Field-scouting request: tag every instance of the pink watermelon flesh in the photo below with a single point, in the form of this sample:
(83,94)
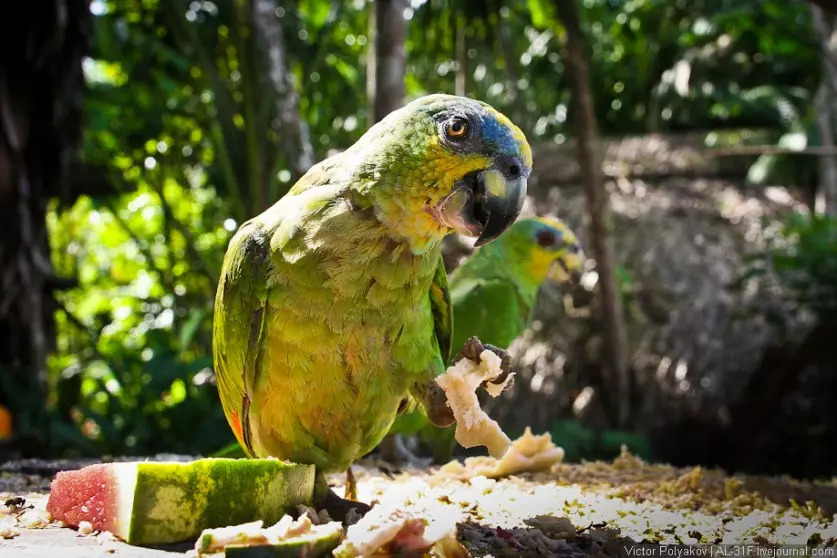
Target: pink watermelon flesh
(88,494)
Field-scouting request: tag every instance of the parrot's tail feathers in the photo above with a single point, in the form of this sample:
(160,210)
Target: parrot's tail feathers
(235,422)
(246,436)
(242,429)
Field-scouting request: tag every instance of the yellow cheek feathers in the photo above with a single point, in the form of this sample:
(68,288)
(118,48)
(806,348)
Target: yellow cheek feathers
(413,209)
(541,263)
(444,168)
(545,264)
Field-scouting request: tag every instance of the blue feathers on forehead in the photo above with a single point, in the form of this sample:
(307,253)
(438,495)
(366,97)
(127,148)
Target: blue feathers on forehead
(497,135)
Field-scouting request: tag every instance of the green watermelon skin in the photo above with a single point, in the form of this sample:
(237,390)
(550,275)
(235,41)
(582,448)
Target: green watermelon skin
(147,503)
(318,544)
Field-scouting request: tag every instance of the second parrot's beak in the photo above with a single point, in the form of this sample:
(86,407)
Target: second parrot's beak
(568,266)
(485,203)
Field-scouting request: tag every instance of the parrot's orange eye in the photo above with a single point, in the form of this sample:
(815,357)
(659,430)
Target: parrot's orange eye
(457,129)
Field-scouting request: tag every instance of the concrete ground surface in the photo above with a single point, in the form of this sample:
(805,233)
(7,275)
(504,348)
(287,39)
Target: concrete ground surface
(574,510)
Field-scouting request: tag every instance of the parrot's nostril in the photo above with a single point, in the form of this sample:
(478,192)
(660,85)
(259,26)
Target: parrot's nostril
(510,167)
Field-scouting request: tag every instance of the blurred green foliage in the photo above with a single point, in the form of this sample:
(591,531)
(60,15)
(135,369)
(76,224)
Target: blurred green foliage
(583,443)
(793,394)
(803,258)
(808,267)
(180,117)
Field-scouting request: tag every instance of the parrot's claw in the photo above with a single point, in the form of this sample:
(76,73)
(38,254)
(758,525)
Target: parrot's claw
(473,348)
(505,366)
(343,510)
(435,403)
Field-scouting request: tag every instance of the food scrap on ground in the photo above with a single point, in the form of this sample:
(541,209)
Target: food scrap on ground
(529,453)
(390,530)
(300,536)
(8,528)
(86,528)
(19,514)
(34,519)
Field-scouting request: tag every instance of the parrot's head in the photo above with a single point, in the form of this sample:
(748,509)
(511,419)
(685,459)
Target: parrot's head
(546,248)
(443,164)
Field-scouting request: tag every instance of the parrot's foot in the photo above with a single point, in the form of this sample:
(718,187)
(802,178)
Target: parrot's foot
(435,403)
(351,485)
(473,348)
(345,511)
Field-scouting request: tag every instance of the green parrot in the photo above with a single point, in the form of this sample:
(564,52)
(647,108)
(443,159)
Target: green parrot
(493,295)
(494,291)
(332,313)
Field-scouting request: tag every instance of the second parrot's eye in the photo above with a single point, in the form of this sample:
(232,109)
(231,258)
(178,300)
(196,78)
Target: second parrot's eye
(457,128)
(546,239)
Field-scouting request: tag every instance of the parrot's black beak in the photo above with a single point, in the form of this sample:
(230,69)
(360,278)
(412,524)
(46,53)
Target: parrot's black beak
(485,203)
(499,199)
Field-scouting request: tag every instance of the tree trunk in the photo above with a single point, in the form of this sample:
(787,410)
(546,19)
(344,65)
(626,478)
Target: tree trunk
(461,80)
(41,85)
(513,77)
(371,62)
(825,201)
(390,58)
(824,104)
(829,6)
(271,41)
(613,328)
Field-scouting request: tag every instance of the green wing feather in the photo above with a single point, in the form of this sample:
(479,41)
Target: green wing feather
(412,417)
(239,324)
(488,309)
(442,311)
